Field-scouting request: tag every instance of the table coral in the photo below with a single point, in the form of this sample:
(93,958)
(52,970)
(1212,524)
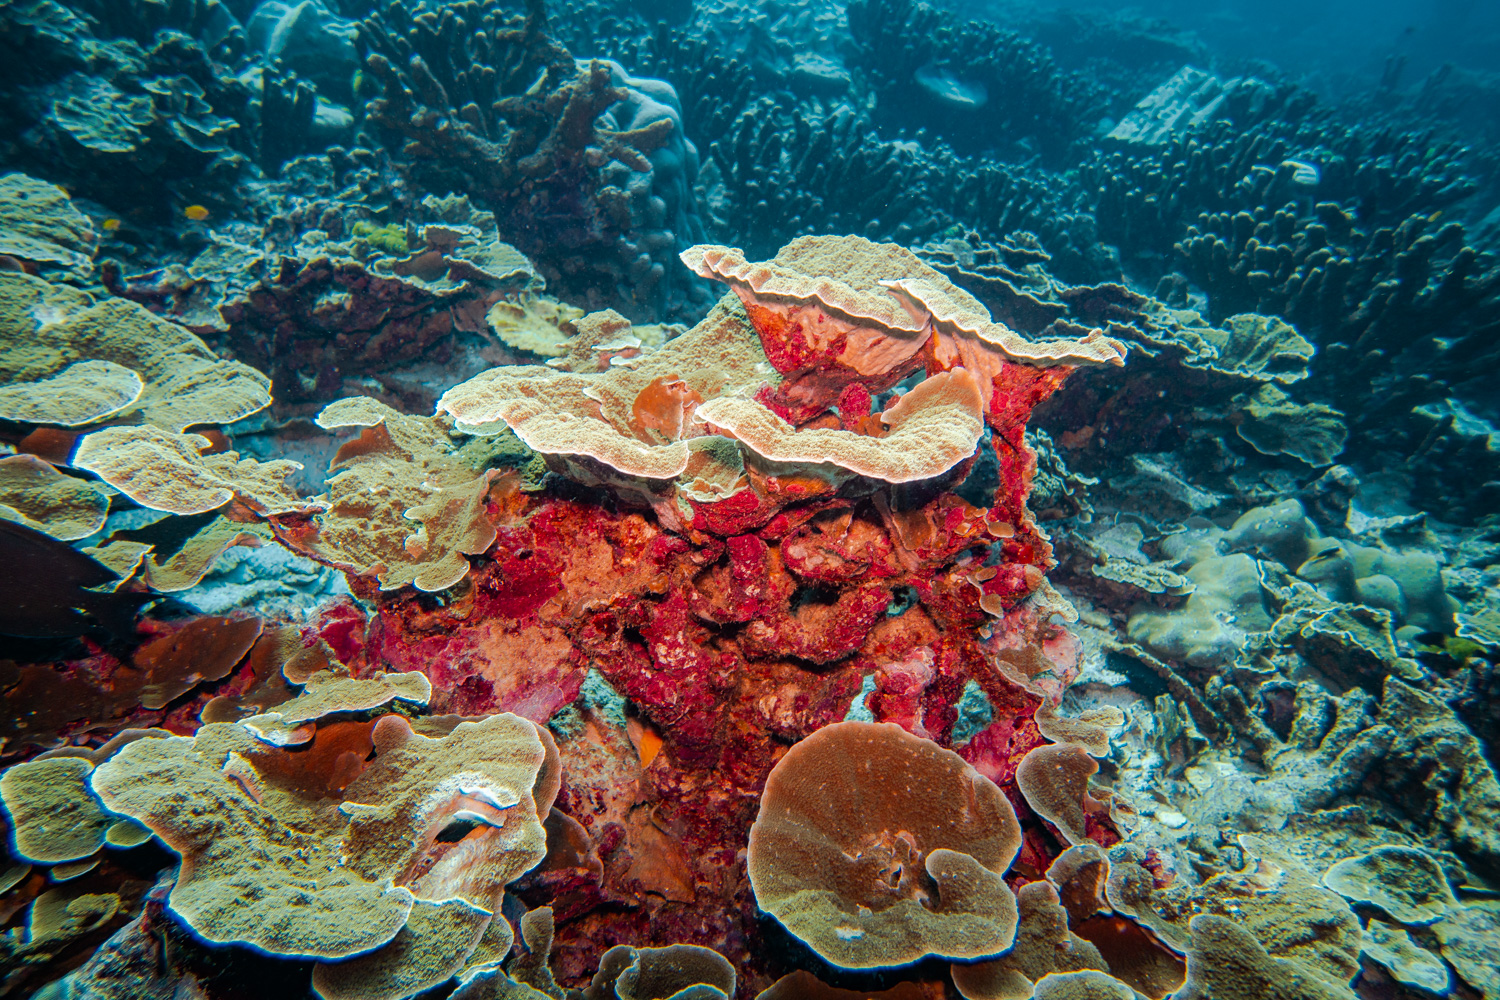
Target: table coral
(54,816)
(1228,962)
(1453,788)
(1408,884)
(44,329)
(401,505)
(688,553)
(1273,901)
(678,972)
(620,425)
(1467,935)
(34,493)
(38,223)
(341,851)
(808,560)
(170,472)
(1407,961)
(1054,780)
(82,393)
(173,567)
(843,839)
(1044,945)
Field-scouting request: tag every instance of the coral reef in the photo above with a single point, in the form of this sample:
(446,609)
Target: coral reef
(736,501)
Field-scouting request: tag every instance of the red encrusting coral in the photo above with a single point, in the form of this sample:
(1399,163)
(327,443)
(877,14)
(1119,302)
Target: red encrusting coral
(767,614)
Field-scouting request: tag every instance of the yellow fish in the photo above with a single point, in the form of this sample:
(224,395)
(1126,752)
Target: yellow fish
(110,225)
(195,212)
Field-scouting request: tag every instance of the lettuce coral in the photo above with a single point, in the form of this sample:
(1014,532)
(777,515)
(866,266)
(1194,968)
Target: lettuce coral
(45,329)
(401,505)
(340,850)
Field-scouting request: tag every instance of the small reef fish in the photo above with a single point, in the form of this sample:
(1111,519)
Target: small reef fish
(47,589)
(195,212)
(1304,172)
(110,225)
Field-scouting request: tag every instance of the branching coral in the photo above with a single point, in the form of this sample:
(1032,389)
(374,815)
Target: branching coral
(487,102)
(971,80)
(1341,229)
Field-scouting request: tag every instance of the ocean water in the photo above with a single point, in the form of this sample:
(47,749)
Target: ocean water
(673,501)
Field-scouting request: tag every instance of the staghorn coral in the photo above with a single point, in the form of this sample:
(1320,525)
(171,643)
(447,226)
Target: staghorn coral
(839,849)
(712,83)
(679,631)
(775,190)
(1250,359)
(793,171)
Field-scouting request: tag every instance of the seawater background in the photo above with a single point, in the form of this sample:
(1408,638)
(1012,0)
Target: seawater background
(1339,46)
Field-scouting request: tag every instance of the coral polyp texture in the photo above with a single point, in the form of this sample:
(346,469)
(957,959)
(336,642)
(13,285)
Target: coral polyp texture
(715,501)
